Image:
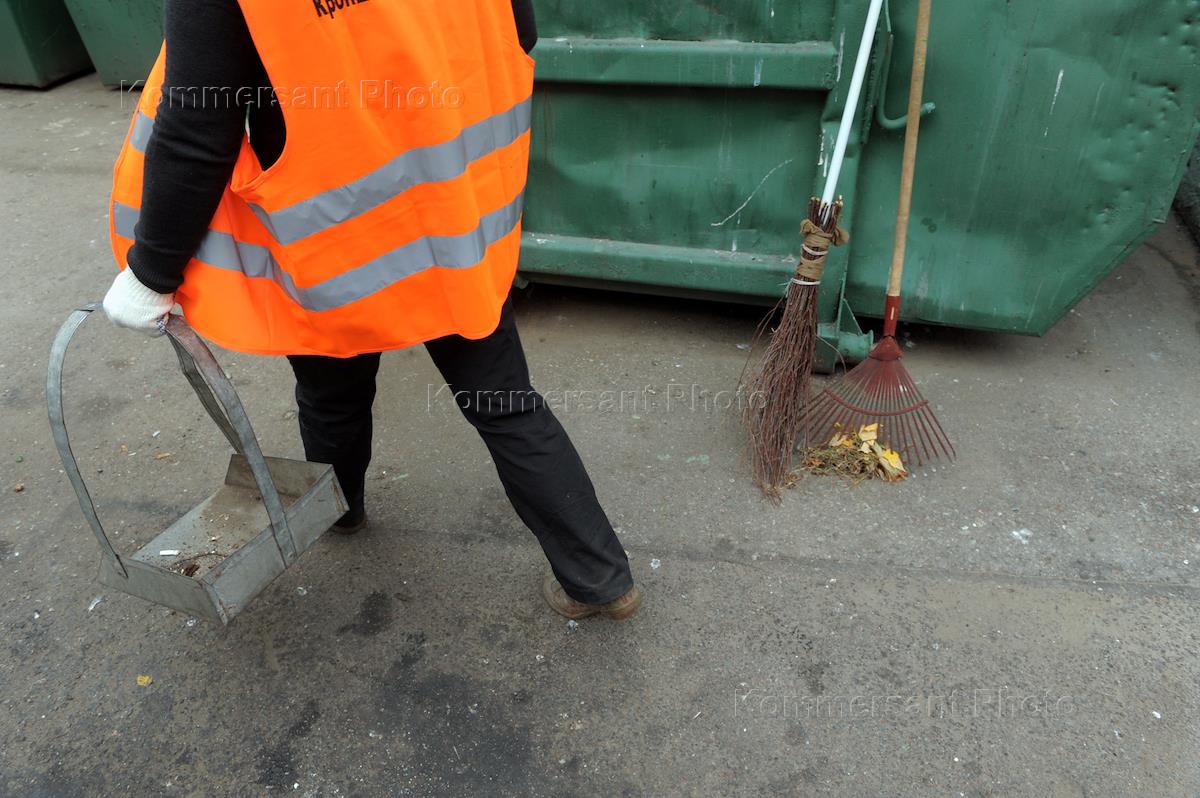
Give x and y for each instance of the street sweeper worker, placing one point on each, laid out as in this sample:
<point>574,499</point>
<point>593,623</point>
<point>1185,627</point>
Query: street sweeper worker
<point>331,179</point>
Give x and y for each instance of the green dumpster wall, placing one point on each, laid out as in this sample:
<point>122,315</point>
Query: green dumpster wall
<point>123,37</point>
<point>675,145</point>
<point>1058,142</point>
<point>38,43</point>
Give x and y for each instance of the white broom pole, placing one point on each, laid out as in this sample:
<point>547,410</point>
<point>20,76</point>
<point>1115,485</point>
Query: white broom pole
<point>856,86</point>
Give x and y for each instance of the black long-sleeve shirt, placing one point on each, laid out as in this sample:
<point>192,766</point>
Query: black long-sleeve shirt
<point>191,155</point>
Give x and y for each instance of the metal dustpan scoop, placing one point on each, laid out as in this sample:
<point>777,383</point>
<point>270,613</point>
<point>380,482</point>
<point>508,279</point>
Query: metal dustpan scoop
<point>268,512</point>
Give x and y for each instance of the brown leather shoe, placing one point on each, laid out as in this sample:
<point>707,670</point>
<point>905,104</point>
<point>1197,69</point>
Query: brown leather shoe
<point>351,523</point>
<point>618,609</point>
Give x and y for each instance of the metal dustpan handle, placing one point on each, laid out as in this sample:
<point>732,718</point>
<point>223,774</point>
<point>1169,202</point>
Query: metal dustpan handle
<point>58,429</point>
<point>215,392</point>
<point>224,406</point>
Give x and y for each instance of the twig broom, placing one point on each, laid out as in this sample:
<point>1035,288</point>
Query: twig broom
<point>777,391</point>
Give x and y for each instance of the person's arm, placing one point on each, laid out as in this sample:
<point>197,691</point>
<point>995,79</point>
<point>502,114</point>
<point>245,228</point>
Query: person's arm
<point>526,23</point>
<point>191,154</point>
<point>197,136</point>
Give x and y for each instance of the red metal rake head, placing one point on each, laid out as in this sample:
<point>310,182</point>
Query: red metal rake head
<point>880,390</point>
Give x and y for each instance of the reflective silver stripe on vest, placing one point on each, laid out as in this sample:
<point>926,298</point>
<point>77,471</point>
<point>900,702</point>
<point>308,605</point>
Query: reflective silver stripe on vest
<point>452,252</point>
<point>433,164</point>
<point>217,249</point>
<point>143,126</point>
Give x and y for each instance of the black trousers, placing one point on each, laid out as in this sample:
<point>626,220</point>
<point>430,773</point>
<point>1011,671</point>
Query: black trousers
<point>541,472</point>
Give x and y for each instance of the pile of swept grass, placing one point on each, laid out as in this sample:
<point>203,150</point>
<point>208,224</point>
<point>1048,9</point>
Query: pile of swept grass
<point>855,455</point>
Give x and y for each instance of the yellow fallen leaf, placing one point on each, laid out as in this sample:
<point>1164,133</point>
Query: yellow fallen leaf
<point>144,680</point>
<point>891,468</point>
<point>870,432</point>
<point>162,455</point>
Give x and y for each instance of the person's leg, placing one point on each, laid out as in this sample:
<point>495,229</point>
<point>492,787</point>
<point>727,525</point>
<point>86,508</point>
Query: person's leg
<point>335,398</point>
<point>539,467</point>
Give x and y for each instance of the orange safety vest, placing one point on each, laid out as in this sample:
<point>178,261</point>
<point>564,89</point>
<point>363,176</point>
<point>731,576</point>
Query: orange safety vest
<point>393,216</point>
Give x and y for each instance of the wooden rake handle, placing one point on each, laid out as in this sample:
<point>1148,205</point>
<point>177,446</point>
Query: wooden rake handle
<point>908,169</point>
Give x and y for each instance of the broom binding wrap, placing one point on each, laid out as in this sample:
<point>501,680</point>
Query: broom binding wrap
<point>815,250</point>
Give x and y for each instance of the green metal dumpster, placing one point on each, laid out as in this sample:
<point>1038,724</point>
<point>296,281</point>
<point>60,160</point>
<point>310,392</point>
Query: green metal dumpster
<point>38,43</point>
<point>123,36</point>
<point>676,143</point>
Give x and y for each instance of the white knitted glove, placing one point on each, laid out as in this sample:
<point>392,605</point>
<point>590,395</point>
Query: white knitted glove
<point>130,304</point>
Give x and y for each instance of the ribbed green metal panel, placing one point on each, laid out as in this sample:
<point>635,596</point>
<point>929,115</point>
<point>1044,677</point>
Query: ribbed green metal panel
<point>675,143</point>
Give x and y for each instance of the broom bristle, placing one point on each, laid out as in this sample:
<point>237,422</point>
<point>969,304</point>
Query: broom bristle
<point>880,390</point>
<point>778,392</point>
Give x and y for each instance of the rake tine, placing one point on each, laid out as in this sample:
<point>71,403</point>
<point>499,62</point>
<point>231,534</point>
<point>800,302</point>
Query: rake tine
<point>927,440</point>
<point>944,439</point>
<point>880,390</point>
<point>917,441</point>
<point>915,431</point>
